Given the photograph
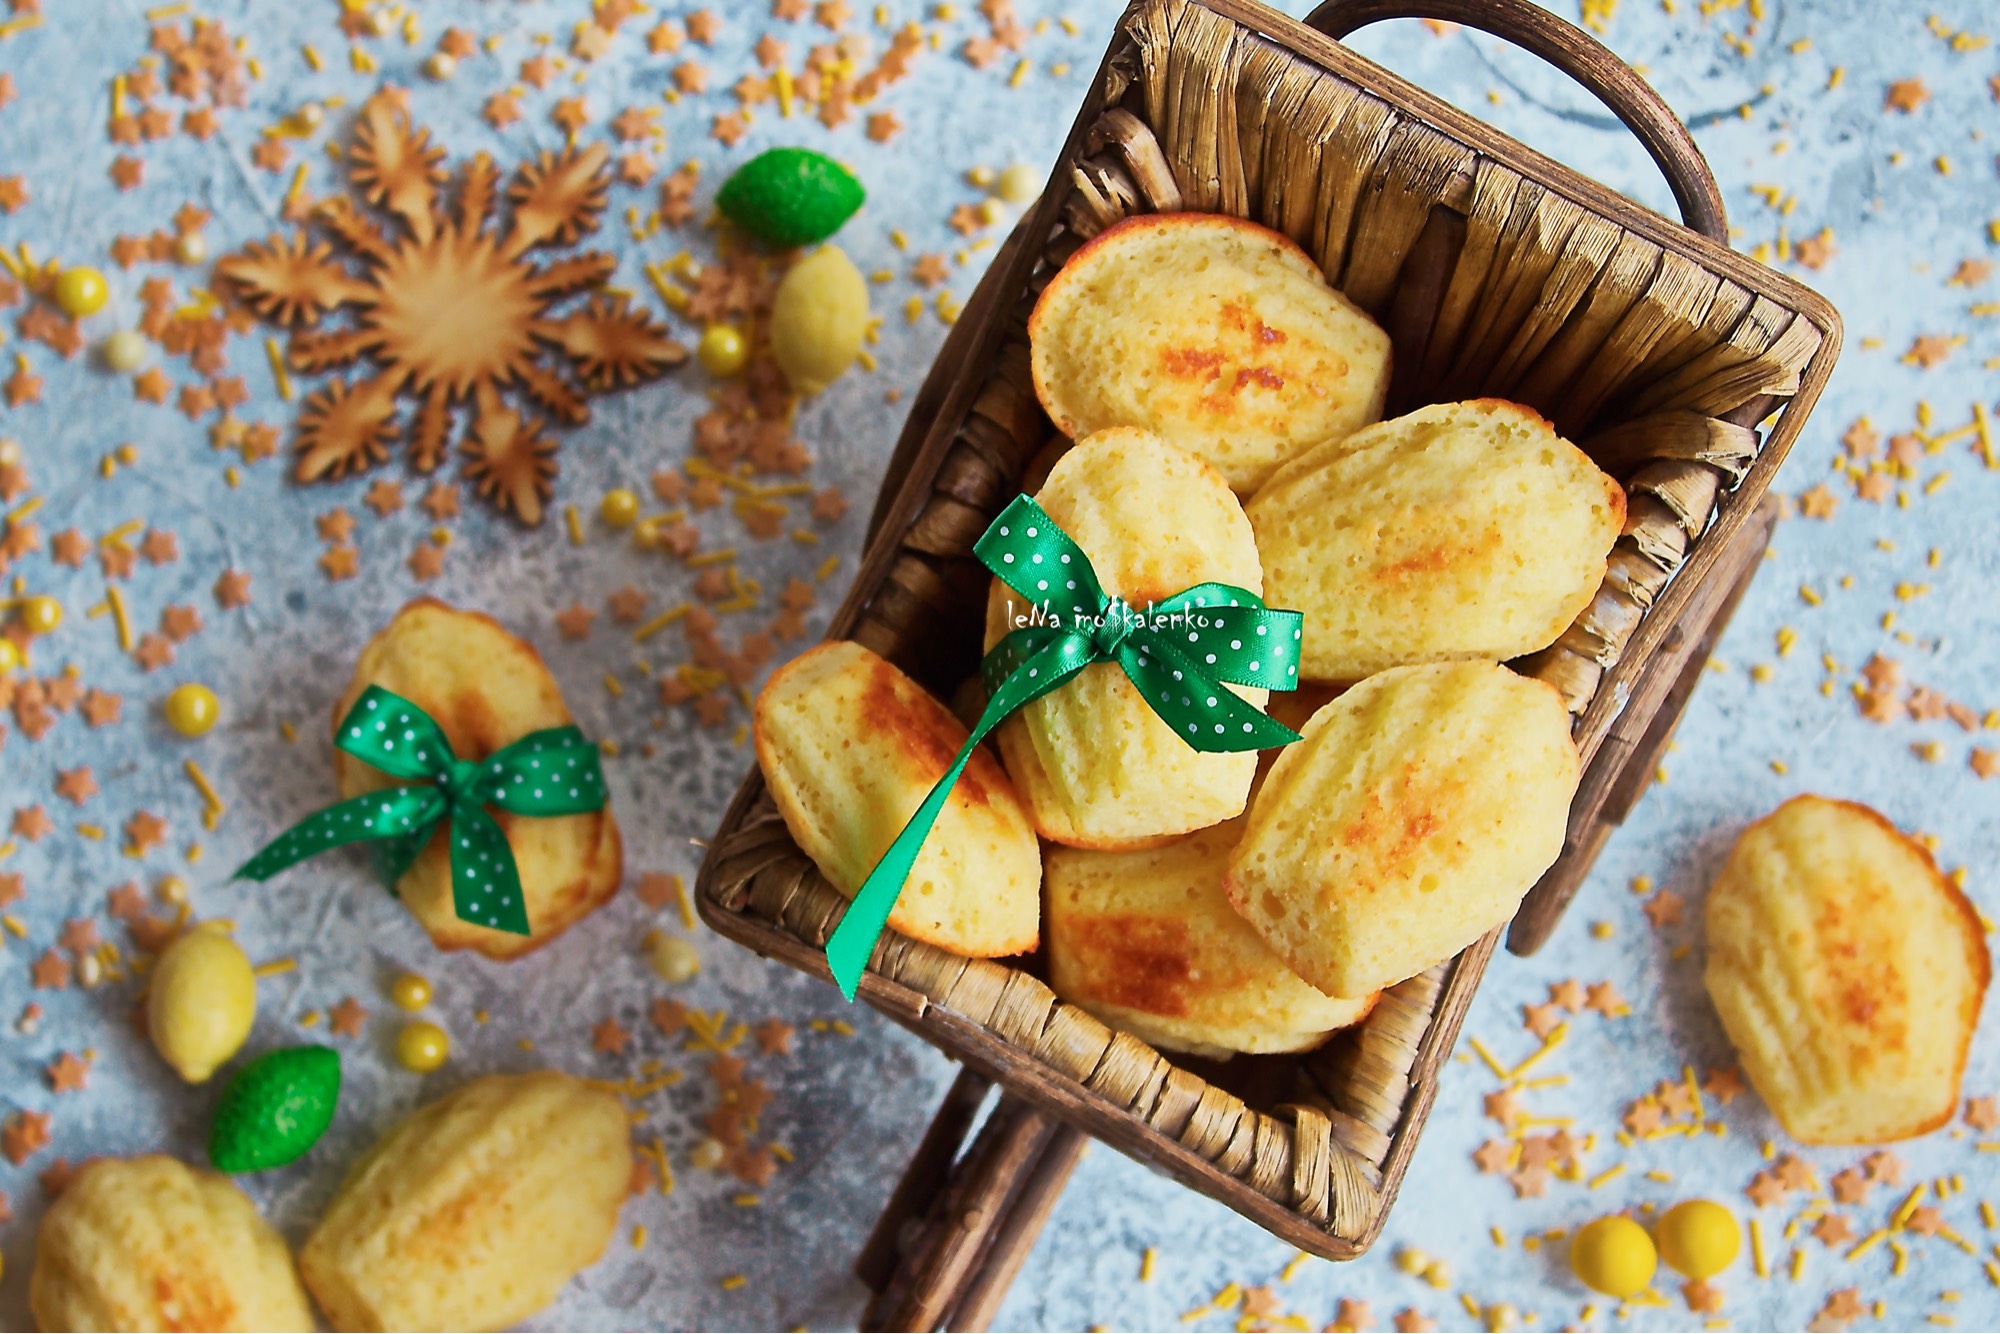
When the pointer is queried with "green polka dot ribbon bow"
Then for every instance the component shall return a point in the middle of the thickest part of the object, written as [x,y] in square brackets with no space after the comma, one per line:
[1178,653]
[551,772]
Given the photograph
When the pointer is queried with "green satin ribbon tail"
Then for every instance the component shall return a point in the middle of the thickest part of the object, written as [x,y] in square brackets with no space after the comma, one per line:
[547,773]
[1181,654]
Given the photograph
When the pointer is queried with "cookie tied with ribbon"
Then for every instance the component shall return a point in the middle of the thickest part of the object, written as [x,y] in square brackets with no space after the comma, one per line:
[547,773]
[1181,655]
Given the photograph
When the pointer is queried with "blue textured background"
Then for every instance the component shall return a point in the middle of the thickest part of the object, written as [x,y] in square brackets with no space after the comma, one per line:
[850,1107]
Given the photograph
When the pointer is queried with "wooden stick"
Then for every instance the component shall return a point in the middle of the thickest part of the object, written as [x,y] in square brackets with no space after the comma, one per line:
[925,1285]
[986,1287]
[924,1179]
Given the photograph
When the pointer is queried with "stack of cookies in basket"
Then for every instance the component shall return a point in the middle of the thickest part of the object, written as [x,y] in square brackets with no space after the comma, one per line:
[1224,405]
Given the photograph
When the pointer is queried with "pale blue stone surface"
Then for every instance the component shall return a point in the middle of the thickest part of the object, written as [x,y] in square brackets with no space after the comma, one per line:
[850,1108]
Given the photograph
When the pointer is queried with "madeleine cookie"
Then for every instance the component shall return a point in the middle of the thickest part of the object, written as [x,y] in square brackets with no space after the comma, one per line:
[1408,822]
[1462,531]
[1216,334]
[850,747]
[1147,942]
[1848,972]
[475,1210]
[153,1244]
[486,688]
[1096,766]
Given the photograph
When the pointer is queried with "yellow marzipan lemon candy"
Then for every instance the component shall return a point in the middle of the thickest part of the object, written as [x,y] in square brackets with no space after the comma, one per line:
[202,1002]
[818,319]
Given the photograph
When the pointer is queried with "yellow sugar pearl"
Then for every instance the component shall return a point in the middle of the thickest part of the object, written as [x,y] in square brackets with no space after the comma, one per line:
[81,291]
[992,211]
[410,991]
[10,654]
[192,709]
[442,65]
[125,351]
[1613,1255]
[708,1154]
[619,508]
[722,351]
[309,115]
[41,614]
[1700,1238]
[1018,184]
[192,248]
[422,1046]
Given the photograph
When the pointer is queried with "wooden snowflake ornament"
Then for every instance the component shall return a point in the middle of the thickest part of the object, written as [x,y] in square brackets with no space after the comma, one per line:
[444,305]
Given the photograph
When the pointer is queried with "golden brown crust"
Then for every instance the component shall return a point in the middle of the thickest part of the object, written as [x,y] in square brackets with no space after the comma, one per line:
[149,1243]
[1214,332]
[486,688]
[849,747]
[1827,964]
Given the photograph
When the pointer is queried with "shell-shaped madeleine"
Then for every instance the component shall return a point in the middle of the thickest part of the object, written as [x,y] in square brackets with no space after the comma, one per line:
[486,688]
[1460,531]
[1410,819]
[153,1244]
[476,1209]
[1097,767]
[1848,972]
[1216,334]
[1147,942]
[850,746]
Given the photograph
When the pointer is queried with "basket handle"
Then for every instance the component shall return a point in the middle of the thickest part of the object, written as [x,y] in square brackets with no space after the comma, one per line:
[1586,60]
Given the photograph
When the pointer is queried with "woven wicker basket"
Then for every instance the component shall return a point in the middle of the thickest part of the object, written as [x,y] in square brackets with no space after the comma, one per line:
[1683,368]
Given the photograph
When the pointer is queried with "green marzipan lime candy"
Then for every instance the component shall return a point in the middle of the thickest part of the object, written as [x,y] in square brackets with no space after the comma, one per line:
[274,1109]
[790,196]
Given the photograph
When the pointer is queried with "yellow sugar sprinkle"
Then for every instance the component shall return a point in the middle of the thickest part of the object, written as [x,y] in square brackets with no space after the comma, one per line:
[1993,1273]
[275,967]
[1498,1234]
[1757,1260]
[271,349]
[1499,1070]
[94,832]
[1147,1258]
[782,78]
[15,924]
[1868,1243]
[614,685]
[780,1152]
[1555,1039]
[1610,1173]
[733,1282]
[159,12]
[1902,1262]
[362,62]
[638,1236]
[827,568]
[574,524]
[118,614]
[1936,1319]
[1664,1178]
[1798,1265]
[720,557]
[310,1019]
[1470,1304]
[661,622]
[1293,1266]
[1909,1205]
[1020,75]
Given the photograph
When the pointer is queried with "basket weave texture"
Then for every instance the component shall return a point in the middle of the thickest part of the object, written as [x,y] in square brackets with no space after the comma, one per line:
[1496,273]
